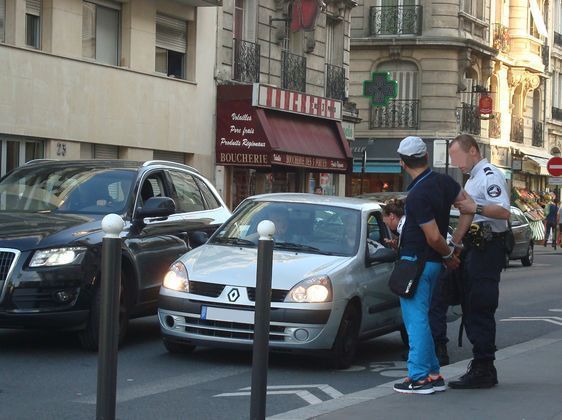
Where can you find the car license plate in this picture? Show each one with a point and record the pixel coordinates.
(228, 315)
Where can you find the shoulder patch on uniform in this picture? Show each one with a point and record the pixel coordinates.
(488, 170)
(494, 190)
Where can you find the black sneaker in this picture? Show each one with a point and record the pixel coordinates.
(423, 386)
(438, 384)
(480, 374)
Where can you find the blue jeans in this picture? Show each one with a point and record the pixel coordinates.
(415, 312)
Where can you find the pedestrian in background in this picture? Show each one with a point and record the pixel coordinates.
(318, 191)
(430, 196)
(483, 257)
(551, 221)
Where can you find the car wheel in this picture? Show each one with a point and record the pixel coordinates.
(404, 336)
(347, 339)
(89, 337)
(174, 347)
(527, 260)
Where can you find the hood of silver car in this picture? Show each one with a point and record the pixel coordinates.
(236, 266)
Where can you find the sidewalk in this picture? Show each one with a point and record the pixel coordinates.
(530, 388)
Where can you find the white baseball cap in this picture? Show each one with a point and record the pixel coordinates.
(412, 146)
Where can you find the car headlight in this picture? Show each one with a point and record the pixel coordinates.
(57, 256)
(176, 278)
(315, 289)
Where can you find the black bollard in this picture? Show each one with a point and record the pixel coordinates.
(112, 224)
(260, 356)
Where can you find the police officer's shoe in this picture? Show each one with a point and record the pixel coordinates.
(480, 374)
(441, 353)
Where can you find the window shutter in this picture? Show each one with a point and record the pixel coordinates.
(33, 7)
(171, 34)
(106, 151)
(177, 157)
(407, 84)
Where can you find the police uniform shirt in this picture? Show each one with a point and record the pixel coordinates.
(486, 186)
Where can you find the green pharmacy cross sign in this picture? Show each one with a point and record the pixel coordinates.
(381, 88)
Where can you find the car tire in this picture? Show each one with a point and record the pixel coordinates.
(174, 347)
(527, 260)
(404, 336)
(89, 337)
(347, 340)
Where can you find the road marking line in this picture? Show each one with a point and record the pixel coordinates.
(327, 389)
(534, 319)
(303, 394)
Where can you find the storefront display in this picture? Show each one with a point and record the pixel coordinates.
(532, 204)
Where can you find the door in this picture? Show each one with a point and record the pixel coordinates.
(521, 233)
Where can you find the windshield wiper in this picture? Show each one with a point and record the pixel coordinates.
(300, 247)
(232, 240)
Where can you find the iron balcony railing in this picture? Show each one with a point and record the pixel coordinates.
(246, 61)
(517, 129)
(557, 113)
(558, 39)
(501, 38)
(400, 113)
(537, 134)
(470, 123)
(293, 71)
(335, 82)
(395, 20)
(495, 128)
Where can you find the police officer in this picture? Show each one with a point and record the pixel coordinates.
(484, 257)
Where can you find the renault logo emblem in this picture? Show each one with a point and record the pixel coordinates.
(233, 295)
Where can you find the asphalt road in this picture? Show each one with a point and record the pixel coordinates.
(47, 376)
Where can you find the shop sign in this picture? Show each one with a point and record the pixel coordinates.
(308, 161)
(348, 129)
(485, 104)
(516, 164)
(296, 102)
(555, 180)
(500, 156)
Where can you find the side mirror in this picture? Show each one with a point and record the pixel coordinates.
(156, 207)
(382, 255)
(198, 238)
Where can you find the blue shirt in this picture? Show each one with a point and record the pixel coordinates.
(430, 197)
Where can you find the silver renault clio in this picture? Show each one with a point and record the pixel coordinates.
(329, 280)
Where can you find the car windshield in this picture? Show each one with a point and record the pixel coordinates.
(300, 227)
(70, 189)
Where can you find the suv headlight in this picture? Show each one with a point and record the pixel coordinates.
(176, 278)
(57, 256)
(315, 289)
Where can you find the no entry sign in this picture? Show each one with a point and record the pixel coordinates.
(554, 166)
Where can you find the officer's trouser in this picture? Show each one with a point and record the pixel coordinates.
(481, 293)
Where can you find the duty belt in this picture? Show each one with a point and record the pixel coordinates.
(481, 233)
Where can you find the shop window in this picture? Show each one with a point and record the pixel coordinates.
(33, 23)
(100, 32)
(171, 46)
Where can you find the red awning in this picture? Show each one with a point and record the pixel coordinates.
(251, 136)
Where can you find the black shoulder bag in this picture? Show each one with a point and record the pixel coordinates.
(406, 275)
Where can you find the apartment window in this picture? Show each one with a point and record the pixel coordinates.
(100, 32)
(15, 152)
(557, 16)
(474, 8)
(239, 19)
(33, 23)
(2, 18)
(171, 46)
(557, 90)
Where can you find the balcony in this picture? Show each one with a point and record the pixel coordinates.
(537, 134)
(501, 38)
(293, 71)
(517, 129)
(558, 39)
(397, 114)
(557, 113)
(495, 127)
(246, 61)
(335, 82)
(395, 20)
(469, 121)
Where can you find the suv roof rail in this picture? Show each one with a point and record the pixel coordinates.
(169, 163)
(33, 161)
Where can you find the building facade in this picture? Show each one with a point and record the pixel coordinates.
(107, 79)
(282, 111)
(554, 83)
(449, 58)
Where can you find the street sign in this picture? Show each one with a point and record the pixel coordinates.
(554, 166)
(555, 180)
(381, 88)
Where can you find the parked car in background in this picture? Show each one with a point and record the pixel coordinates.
(50, 237)
(523, 248)
(329, 281)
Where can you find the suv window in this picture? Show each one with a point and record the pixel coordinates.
(152, 186)
(188, 195)
(212, 202)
